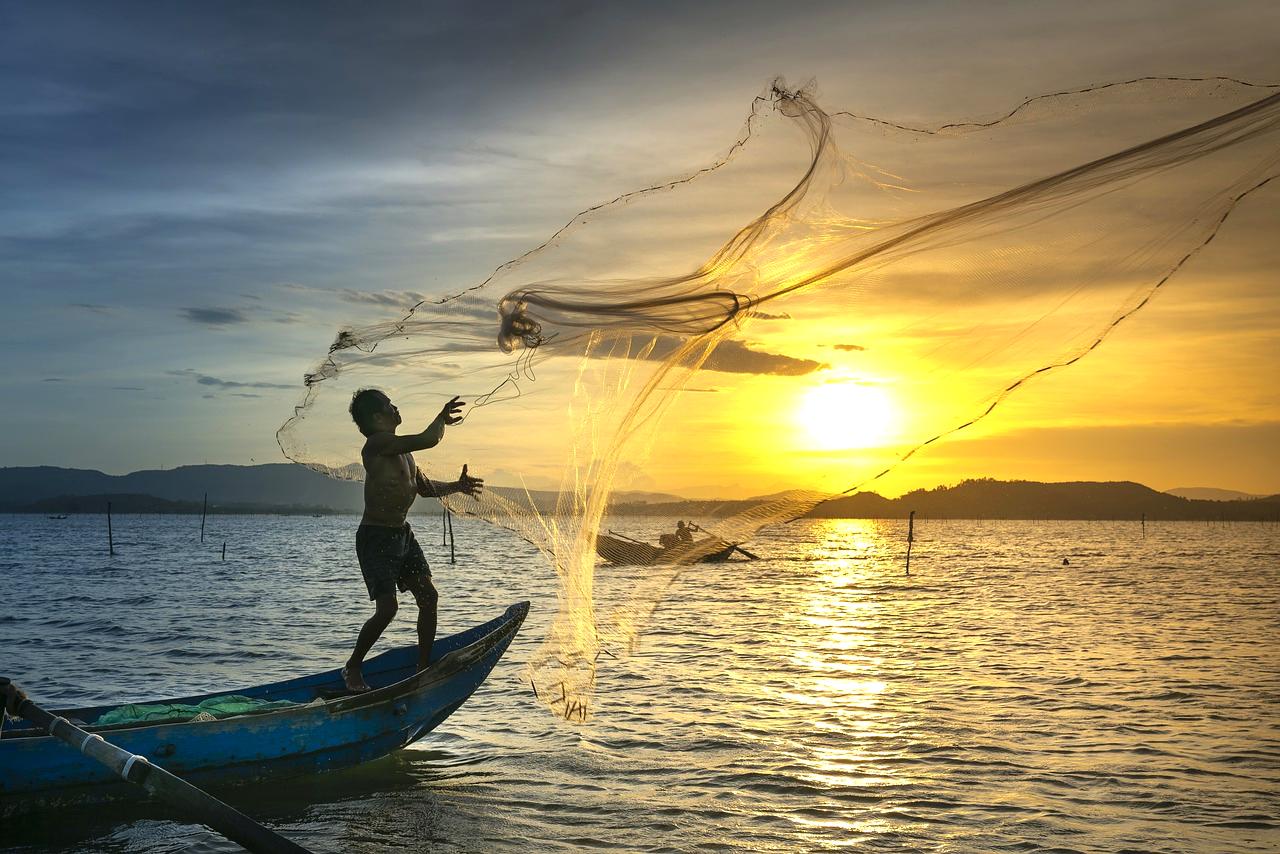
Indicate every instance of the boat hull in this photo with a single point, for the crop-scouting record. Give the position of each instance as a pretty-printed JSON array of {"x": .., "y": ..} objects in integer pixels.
[
  {"x": 318, "y": 735},
  {"x": 625, "y": 552}
]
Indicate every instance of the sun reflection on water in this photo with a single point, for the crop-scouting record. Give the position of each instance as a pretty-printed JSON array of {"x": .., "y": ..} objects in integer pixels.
[{"x": 843, "y": 664}]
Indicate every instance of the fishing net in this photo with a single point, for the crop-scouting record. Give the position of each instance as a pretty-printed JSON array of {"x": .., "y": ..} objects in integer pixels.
[
  {"x": 212, "y": 709},
  {"x": 827, "y": 299}
]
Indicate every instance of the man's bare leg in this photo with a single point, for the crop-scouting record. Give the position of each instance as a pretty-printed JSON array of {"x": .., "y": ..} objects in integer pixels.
[
  {"x": 385, "y": 611},
  {"x": 427, "y": 599}
]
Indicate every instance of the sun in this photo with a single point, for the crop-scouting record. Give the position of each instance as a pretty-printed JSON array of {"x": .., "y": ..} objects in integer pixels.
[{"x": 838, "y": 415}]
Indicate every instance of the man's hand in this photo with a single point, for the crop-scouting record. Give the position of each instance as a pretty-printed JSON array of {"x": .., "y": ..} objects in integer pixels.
[
  {"x": 451, "y": 413},
  {"x": 469, "y": 485}
]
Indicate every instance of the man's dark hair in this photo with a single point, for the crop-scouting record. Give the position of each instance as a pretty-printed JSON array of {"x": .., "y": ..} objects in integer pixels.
[{"x": 364, "y": 404}]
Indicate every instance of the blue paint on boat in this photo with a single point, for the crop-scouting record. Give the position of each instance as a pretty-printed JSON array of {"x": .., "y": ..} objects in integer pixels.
[{"x": 318, "y": 734}]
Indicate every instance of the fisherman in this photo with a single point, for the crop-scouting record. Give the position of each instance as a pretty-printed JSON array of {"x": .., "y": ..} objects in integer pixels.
[
  {"x": 682, "y": 537},
  {"x": 684, "y": 533},
  {"x": 389, "y": 556}
]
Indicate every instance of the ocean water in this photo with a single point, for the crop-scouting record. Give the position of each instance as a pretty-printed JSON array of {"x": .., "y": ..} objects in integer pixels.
[{"x": 817, "y": 699}]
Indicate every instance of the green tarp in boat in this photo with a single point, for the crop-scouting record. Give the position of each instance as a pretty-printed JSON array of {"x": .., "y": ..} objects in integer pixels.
[{"x": 211, "y": 709}]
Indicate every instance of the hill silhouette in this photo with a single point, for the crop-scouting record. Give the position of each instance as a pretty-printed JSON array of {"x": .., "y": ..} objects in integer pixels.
[
  {"x": 1210, "y": 493},
  {"x": 288, "y": 488},
  {"x": 272, "y": 485},
  {"x": 267, "y": 488},
  {"x": 984, "y": 498}
]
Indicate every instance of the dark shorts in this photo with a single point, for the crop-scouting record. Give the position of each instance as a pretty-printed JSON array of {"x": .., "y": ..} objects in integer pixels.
[{"x": 390, "y": 558}]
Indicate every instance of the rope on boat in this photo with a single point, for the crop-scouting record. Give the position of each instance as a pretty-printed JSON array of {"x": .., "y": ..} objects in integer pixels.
[{"x": 128, "y": 764}]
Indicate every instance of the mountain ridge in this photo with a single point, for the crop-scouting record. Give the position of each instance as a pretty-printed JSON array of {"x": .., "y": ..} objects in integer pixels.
[
  {"x": 264, "y": 488},
  {"x": 986, "y": 498},
  {"x": 1212, "y": 493}
]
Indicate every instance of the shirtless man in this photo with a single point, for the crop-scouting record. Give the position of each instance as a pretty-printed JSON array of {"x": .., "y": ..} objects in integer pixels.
[{"x": 389, "y": 555}]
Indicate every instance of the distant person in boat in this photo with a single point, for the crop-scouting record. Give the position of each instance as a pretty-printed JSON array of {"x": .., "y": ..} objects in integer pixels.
[
  {"x": 389, "y": 556},
  {"x": 684, "y": 533},
  {"x": 682, "y": 537}
]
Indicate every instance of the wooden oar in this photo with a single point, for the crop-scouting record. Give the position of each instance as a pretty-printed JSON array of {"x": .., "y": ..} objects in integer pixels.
[
  {"x": 737, "y": 547},
  {"x": 625, "y": 537},
  {"x": 191, "y": 801}
]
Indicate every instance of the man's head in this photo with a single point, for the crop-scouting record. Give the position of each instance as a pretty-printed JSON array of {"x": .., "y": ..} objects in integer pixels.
[{"x": 373, "y": 412}]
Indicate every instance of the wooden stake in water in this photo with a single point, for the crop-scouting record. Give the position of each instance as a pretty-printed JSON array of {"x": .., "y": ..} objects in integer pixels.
[
  {"x": 911, "y": 537},
  {"x": 203, "y": 511},
  {"x": 1144, "y": 526},
  {"x": 111, "y": 545},
  {"x": 224, "y": 549},
  {"x": 449, "y": 518}
]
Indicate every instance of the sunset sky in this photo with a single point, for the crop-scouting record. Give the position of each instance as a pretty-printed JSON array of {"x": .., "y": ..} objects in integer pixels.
[{"x": 197, "y": 198}]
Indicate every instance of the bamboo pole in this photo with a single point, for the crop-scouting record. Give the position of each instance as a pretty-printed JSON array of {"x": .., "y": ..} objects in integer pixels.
[
  {"x": 188, "y": 799},
  {"x": 111, "y": 543},
  {"x": 203, "y": 512}
]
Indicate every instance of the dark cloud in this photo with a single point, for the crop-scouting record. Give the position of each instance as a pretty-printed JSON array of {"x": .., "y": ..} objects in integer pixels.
[
  {"x": 126, "y": 388},
  {"x": 54, "y": 380},
  {"x": 735, "y": 357},
  {"x": 854, "y": 347},
  {"x": 216, "y": 382},
  {"x": 93, "y": 307},
  {"x": 391, "y": 299},
  {"x": 398, "y": 300},
  {"x": 764, "y": 315},
  {"x": 215, "y": 316}
]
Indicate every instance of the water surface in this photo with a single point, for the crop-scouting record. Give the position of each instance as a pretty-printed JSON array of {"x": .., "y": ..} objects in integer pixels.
[{"x": 818, "y": 699}]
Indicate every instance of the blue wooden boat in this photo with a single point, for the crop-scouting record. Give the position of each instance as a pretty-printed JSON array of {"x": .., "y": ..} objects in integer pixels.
[{"x": 327, "y": 729}]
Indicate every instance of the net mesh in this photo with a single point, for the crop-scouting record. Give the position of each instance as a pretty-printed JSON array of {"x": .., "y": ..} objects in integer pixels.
[{"x": 826, "y": 300}]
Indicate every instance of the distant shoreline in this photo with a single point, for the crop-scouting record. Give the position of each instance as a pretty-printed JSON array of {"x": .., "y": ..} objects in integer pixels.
[
  {"x": 982, "y": 498},
  {"x": 291, "y": 490}
]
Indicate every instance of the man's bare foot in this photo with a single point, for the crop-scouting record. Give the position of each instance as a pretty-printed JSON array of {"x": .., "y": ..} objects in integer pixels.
[
  {"x": 354, "y": 679},
  {"x": 423, "y": 665}
]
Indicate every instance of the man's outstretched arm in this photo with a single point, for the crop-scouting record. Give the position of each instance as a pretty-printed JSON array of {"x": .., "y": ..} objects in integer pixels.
[
  {"x": 389, "y": 444},
  {"x": 466, "y": 484}
]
